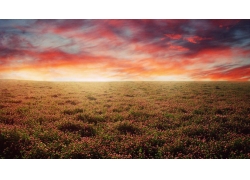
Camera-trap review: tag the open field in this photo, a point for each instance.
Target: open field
(124, 119)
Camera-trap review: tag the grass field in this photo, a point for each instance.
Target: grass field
(124, 119)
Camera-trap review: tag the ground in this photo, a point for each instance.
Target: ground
(124, 119)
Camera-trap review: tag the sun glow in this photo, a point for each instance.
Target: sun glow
(84, 79)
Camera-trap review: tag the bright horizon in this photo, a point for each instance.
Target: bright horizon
(125, 50)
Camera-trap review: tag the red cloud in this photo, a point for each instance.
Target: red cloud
(152, 49)
(173, 36)
(128, 48)
(224, 22)
(241, 73)
(212, 55)
(195, 39)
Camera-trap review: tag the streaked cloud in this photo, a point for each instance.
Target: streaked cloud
(125, 49)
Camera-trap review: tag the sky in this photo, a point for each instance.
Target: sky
(125, 50)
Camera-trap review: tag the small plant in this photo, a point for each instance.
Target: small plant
(129, 95)
(127, 127)
(118, 117)
(117, 110)
(71, 102)
(169, 116)
(55, 95)
(198, 112)
(224, 111)
(2, 106)
(139, 115)
(90, 119)
(72, 111)
(15, 101)
(13, 142)
(91, 98)
(6, 120)
(72, 126)
(22, 110)
(183, 110)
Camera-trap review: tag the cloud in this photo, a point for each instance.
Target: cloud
(127, 49)
(241, 73)
(173, 36)
(195, 39)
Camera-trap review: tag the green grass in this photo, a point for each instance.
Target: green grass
(84, 130)
(127, 128)
(72, 111)
(124, 119)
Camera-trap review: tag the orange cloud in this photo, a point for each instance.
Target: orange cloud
(195, 39)
(125, 49)
(173, 36)
(241, 73)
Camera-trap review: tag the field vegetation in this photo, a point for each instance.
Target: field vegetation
(124, 119)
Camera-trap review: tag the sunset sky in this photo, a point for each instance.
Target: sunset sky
(125, 50)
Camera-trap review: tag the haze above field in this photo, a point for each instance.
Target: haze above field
(125, 50)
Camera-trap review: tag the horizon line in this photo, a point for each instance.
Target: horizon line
(127, 80)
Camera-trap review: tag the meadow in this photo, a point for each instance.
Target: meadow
(124, 119)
